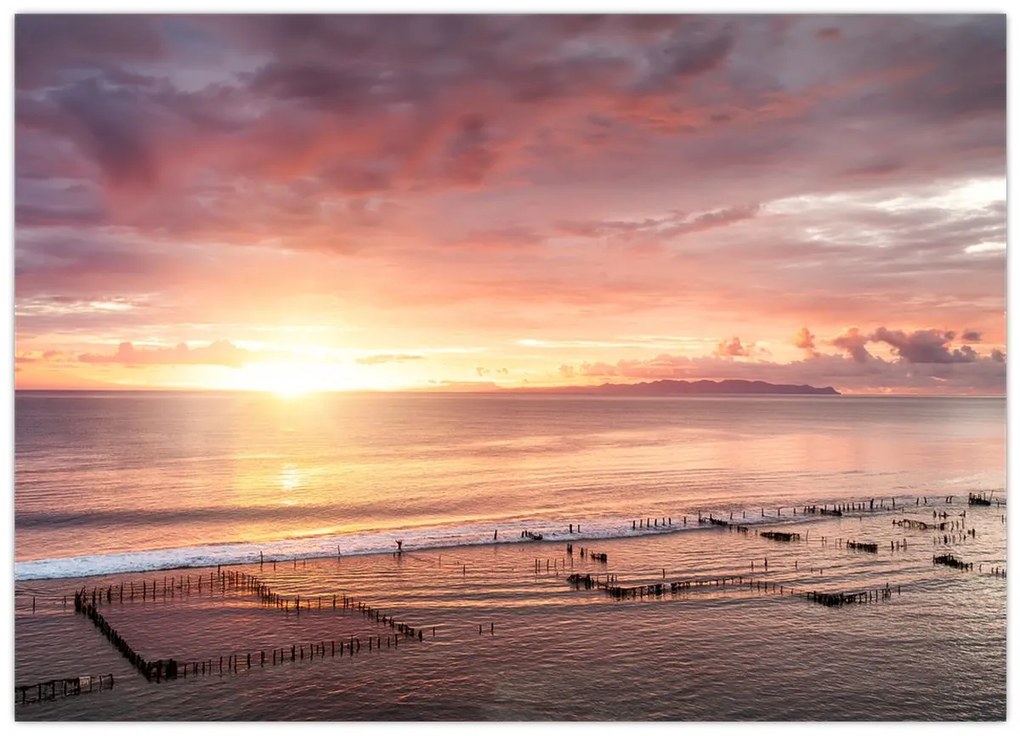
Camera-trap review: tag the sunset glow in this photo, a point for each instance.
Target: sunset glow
(289, 379)
(436, 203)
(528, 366)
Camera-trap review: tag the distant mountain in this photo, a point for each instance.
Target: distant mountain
(669, 387)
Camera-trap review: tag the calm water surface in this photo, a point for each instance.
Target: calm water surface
(115, 485)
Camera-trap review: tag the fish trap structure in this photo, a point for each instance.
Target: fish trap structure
(922, 525)
(610, 587)
(713, 521)
(533, 536)
(62, 688)
(824, 510)
(731, 584)
(863, 546)
(781, 536)
(844, 599)
(171, 669)
(949, 561)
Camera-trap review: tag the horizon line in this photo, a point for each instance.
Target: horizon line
(563, 390)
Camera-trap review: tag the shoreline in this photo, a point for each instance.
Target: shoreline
(248, 553)
(719, 619)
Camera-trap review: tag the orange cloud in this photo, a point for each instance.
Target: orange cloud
(220, 352)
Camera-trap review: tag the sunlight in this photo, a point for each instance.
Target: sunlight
(291, 379)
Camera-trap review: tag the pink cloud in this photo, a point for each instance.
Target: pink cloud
(501, 173)
(983, 376)
(733, 348)
(388, 358)
(805, 341)
(854, 343)
(924, 346)
(220, 352)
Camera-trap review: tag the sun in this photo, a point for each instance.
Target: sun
(290, 379)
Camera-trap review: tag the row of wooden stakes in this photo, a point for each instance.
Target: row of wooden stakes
(171, 669)
(597, 556)
(683, 586)
(173, 586)
(949, 561)
(69, 686)
(235, 580)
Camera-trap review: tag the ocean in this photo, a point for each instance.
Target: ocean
(312, 493)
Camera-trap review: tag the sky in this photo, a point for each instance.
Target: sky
(293, 203)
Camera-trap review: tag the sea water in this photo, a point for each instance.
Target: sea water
(124, 486)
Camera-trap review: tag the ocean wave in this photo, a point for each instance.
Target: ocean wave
(362, 543)
(424, 538)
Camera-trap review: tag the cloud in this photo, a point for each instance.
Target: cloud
(662, 228)
(982, 376)
(509, 238)
(924, 346)
(971, 336)
(598, 369)
(220, 352)
(113, 130)
(388, 358)
(853, 342)
(501, 172)
(805, 341)
(46, 47)
(462, 386)
(733, 348)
